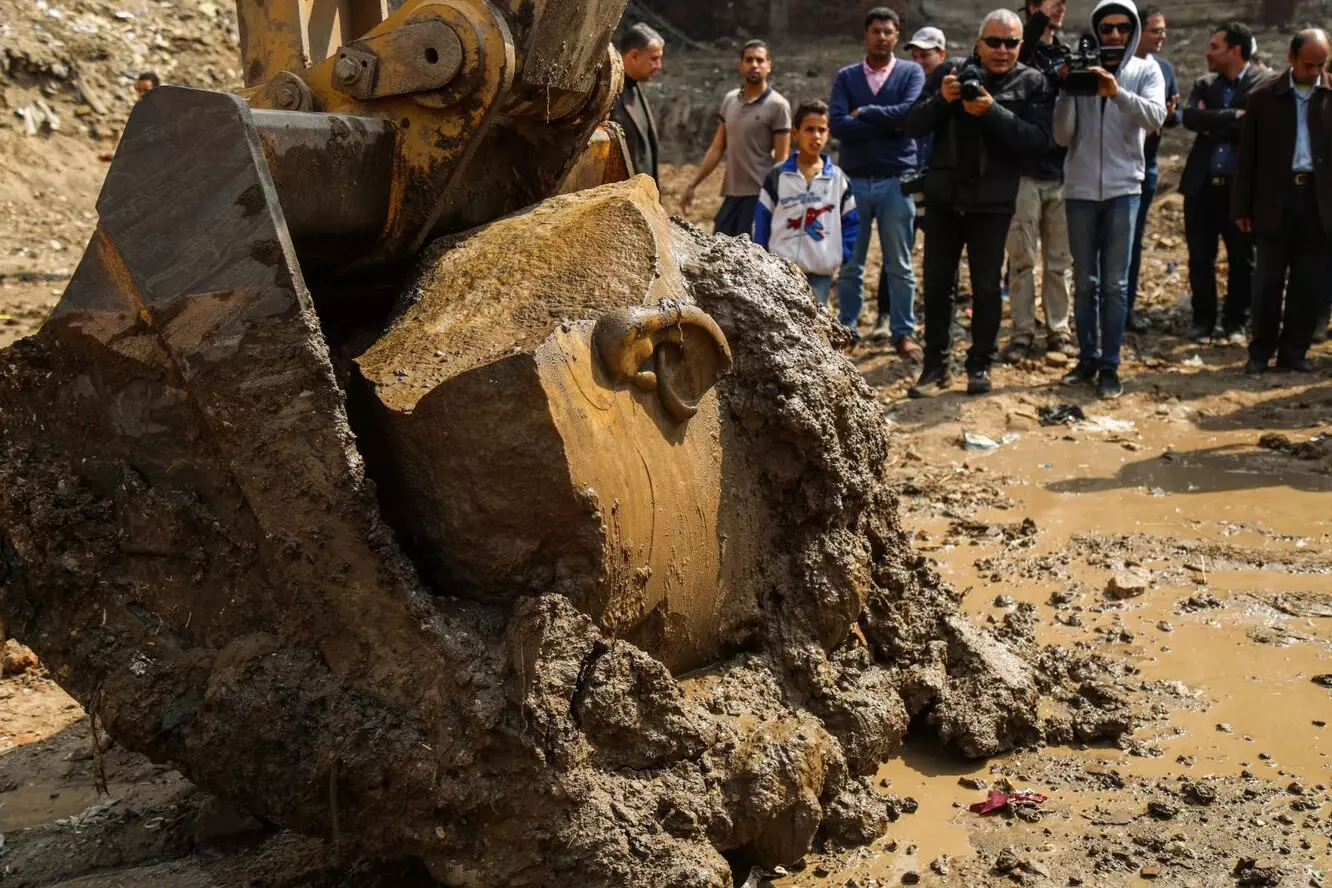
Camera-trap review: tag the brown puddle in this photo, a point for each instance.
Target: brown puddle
(1216, 515)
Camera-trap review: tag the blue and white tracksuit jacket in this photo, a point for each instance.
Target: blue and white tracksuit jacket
(813, 224)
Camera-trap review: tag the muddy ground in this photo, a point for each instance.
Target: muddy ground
(1225, 538)
(1231, 628)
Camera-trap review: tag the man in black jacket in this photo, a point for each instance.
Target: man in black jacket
(986, 116)
(1215, 111)
(641, 49)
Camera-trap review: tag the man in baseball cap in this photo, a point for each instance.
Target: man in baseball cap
(928, 48)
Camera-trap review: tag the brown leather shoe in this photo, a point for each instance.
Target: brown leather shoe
(908, 348)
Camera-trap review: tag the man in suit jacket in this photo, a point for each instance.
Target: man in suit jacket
(1215, 111)
(1283, 195)
(642, 49)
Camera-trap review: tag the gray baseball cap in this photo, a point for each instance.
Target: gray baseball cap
(928, 38)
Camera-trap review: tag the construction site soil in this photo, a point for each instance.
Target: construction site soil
(1128, 614)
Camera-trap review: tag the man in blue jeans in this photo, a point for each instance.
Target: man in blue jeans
(1103, 174)
(869, 101)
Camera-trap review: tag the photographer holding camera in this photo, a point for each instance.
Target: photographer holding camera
(1103, 114)
(985, 114)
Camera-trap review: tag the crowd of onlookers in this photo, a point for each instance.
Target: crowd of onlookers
(1031, 149)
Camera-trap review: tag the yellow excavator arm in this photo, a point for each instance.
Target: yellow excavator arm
(463, 111)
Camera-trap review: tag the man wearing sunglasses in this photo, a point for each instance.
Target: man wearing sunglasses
(1103, 175)
(985, 115)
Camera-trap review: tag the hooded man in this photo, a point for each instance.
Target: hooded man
(1103, 174)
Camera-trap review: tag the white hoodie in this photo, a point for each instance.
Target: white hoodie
(1105, 137)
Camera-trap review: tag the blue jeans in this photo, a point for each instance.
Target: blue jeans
(882, 201)
(1100, 237)
(821, 284)
(1135, 263)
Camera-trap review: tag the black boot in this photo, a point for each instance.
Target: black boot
(934, 379)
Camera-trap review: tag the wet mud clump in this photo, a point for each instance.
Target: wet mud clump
(697, 634)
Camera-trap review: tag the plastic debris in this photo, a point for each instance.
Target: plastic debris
(1061, 414)
(998, 800)
(973, 441)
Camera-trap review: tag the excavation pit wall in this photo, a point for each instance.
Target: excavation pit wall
(189, 539)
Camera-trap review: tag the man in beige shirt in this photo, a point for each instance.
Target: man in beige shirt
(753, 134)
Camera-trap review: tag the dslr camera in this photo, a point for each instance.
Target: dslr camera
(1080, 80)
(971, 77)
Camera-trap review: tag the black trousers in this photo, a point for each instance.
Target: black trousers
(885, 308)
(1293, 264)
(984, 235)
(1207, 219)
(736, 216)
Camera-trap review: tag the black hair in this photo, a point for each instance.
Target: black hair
(1146, 12)
(151, 77)
(755, 44)
(1238, 34)
(883, 14)
(1297, 42)
(640, 37)
(806, 109)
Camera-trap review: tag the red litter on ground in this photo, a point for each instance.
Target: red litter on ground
(998, 800)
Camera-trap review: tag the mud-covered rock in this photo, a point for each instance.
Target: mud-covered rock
(990, 702)
(16, 659)
(857, 816)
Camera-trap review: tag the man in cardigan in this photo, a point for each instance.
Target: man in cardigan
(869, 101)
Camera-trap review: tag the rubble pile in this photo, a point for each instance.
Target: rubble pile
(67, 70)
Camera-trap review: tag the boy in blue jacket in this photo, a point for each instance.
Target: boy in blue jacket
(806, 211)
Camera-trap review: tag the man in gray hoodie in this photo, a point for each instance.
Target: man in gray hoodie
(1103, 177)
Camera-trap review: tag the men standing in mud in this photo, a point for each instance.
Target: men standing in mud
(870, 99)
(1283, 196)
(642, 49)
(753, 135)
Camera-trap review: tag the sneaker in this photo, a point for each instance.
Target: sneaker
(1255, 368)
(1109, 386)
(1137, 324)
(1198, 334)
(1079, 376)
(881, 332)
(1234, 337)
(1016, 350)
(978, 383)
(933, 381)
(1062, 343)
(907, 347)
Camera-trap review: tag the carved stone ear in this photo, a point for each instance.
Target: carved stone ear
(683, 347)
